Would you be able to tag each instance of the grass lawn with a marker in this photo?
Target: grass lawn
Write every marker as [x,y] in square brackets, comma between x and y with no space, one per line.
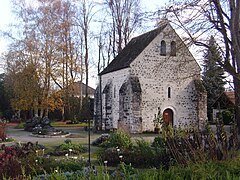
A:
[65,124]
[54,124]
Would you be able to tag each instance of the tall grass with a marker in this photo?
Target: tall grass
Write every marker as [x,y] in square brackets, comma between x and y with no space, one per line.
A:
[194,146]
[212,170]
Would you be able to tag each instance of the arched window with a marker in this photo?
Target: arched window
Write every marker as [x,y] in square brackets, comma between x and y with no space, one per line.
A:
[173,48]
[163,48]
[169,92]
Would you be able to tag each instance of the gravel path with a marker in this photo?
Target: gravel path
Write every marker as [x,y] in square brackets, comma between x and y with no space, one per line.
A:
[76,135]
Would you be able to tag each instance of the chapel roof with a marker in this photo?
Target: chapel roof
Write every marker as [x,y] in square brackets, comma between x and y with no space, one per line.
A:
[132,50]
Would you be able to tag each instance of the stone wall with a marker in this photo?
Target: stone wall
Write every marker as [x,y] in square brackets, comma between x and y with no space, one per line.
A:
[116,79]
[165,81]
[130,118]
[97,109]
[158,73]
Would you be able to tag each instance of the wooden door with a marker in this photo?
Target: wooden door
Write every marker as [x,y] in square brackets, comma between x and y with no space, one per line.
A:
[168,117]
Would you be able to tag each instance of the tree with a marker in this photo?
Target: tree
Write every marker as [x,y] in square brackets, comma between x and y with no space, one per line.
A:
[125,18]
[213,75]
[122,19]
[200,19]
[24,87]
[84,23]
[47,42]
[5,108]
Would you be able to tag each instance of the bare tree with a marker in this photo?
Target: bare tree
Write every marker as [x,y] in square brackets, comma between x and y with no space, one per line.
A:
[201,18]
[125,15]
[85,17]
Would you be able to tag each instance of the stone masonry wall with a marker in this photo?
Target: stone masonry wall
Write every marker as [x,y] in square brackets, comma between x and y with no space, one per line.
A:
[159,73]
[116,78]
[165,81]
[130,118]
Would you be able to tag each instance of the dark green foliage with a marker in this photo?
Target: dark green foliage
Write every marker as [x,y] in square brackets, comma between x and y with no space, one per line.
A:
[213,75]
[69,148]
[141,154]
[111,155]
[5,108]
[101,140]
[27,159]
[228,116]
[193,146]
[66,164]
[159,142]
[74,108]
[119,139]
[225,170]
[182,146]
[86,111]
[68,141]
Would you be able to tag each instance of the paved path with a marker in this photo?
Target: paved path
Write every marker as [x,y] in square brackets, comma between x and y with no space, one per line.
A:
[78,135]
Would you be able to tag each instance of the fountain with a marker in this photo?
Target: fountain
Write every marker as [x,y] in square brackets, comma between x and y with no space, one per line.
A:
[41,127]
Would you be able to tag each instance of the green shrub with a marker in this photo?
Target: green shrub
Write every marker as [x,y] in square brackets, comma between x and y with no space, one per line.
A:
[101,140]
[142,155]
[159,142]
[119,139]
[111,155]
[68,141]
[160,146]
[69,148]
[69,164]
[227,116]
[71,170]
[20,125]
[44,164]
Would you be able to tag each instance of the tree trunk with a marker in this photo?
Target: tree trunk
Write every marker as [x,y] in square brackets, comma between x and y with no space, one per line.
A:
[236,82]
[63,116]
[41,113]
[86,59]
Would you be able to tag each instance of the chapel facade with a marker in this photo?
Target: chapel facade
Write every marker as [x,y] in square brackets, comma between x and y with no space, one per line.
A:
[154,71]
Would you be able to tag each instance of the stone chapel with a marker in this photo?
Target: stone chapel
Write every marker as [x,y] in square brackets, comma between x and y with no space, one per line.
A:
[154,70]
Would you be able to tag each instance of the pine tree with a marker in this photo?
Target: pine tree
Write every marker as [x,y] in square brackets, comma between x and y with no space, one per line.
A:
[213,75]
